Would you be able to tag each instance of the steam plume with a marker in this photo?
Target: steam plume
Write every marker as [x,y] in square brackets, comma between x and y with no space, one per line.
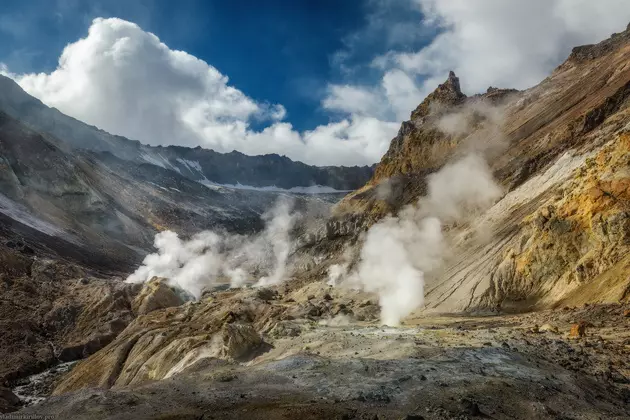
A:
[209,256]
[400,251]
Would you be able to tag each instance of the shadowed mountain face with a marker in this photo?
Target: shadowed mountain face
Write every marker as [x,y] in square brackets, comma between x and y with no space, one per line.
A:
[110,208]
[107,196]
[197,164]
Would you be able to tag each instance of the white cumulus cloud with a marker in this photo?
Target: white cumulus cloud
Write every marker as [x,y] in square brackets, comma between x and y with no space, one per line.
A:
[126,81]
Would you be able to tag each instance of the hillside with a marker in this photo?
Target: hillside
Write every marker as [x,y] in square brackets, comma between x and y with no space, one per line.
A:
[559,151]
[109,208]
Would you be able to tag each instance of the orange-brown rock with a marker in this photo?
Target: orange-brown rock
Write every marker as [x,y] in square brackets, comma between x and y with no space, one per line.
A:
[578,330]
[156,294]
[565,168]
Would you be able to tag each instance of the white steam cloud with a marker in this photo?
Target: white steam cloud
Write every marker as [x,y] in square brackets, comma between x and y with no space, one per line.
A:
[210,258]
[399,252]
[279,223]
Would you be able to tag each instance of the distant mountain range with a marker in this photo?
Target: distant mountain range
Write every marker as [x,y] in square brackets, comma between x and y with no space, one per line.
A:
[198,164]
[70,189]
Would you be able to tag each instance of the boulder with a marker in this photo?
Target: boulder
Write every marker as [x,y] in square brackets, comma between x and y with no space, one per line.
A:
[578,330]
[239,341]
[284,329]
[156,294]
[266,294]
[367,311]
[549,328]
[8,401]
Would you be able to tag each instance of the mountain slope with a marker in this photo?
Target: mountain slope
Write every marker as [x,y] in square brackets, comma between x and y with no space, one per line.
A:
[110,207]
[197,164]
[560,152]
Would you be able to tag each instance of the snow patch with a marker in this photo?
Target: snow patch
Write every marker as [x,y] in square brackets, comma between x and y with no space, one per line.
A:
[191,164]
[153,161]
[313,189]
[160,161]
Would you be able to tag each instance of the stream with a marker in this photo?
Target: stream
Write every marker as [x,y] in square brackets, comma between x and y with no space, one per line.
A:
[36,388]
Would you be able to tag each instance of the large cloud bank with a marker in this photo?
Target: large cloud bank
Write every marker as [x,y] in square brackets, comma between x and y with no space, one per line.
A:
[126,81]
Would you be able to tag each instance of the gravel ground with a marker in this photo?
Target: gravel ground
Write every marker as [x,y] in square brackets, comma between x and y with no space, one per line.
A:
[433,368]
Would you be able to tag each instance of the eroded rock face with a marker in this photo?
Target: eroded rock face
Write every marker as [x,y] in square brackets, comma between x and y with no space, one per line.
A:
[233,326]
[560,235]
[165,341]
[155,294]
[52,312]
[572,247]
[421,147]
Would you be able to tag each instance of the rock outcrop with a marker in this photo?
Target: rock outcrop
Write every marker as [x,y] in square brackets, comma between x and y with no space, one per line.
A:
[162,342]
[444,97]
[438,128]
[231,326]
[155,294]
[53,312]
[8,401]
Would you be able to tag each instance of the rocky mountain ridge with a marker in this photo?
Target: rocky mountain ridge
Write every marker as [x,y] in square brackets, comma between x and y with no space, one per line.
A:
[108,208]
[558,145]
[196,163]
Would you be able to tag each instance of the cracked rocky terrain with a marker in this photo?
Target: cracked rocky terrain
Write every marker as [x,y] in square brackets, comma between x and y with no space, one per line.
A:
[436,367]
[527,317]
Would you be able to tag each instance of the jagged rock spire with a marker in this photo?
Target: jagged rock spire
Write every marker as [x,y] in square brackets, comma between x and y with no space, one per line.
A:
[446,95]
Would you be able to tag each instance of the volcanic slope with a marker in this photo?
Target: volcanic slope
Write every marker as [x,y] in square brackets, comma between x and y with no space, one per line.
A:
[554,243]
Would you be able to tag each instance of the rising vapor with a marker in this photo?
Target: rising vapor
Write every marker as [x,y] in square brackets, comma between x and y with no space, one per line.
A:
[400,251]
[211,258]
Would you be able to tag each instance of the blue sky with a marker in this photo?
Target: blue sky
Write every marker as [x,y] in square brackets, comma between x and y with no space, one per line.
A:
[279,51]
[326,82]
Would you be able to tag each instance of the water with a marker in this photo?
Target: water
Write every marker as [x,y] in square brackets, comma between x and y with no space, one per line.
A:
[36,388]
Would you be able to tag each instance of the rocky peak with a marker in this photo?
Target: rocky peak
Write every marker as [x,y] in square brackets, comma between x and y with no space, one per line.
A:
[495,95]
[584,53]
[453,82]
[446,95]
